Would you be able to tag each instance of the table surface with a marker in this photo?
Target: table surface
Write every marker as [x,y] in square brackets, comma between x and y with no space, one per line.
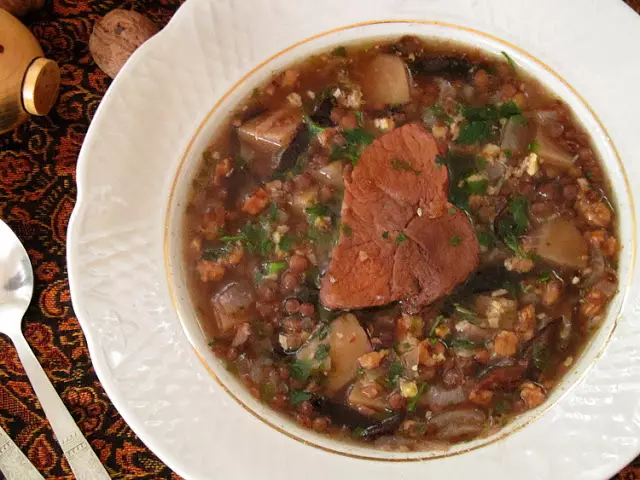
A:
[37,195]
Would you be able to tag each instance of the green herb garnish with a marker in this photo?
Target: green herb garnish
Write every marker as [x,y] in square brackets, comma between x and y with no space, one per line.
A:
[399,164]
[411,406]
[514,224]
[534,147]
[385,235]
[322,351]
[300,369]
[274,268]
[400,238]
[287,242]
[355,142]
[253,237]
[455,240]
[313,127]
[439,113]
[396,370]
[317,211]
[482,123]
[510,61]
[347,230]
[439,319]
[464,344]
[298,396]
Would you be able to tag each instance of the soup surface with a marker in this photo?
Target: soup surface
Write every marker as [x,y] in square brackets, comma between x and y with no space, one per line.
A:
[403,242]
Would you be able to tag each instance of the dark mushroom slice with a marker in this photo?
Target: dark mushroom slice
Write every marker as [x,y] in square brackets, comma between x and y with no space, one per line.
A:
[442,66]
[369,427]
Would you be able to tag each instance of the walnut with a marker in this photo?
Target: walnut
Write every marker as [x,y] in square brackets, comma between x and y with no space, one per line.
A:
[117,36]
[20,8]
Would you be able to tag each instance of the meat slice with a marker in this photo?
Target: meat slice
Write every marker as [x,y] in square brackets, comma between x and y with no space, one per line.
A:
[405,238]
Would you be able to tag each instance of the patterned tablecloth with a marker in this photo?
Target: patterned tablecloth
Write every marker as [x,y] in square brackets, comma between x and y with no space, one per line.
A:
[37,194]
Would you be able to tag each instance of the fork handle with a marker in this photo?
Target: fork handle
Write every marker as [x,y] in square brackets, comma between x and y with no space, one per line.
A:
[13,463]
[82,459]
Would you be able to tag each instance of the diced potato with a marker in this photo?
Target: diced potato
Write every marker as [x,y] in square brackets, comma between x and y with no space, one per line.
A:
[232,306]
[360,396]
[347,342]
[272,131]
[559,241]
[385,81]
[551,153]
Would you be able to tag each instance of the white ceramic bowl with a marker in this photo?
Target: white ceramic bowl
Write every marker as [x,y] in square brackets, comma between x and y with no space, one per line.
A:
[125,239]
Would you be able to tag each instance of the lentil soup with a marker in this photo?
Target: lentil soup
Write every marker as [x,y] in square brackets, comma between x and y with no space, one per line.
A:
[401,242]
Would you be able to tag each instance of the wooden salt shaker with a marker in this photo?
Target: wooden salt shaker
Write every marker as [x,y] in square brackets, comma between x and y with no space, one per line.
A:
[29,83]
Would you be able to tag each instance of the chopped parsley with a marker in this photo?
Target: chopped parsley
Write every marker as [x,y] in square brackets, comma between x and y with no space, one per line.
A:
[476,187]
[399,164]
[510,61]
[511,226]
[482,124]
[355,142]
[274,268]
[486,238]
[462,167]
[317,211]
[300,369]
[339,52]
[400,238]
[546,276]
[298,396]
[214,252]
[313,127]
[385,235]
[322,352]
[287,242]
[462,344]
[396,370]
[455,240]
[452,210]
[347,230]
[411,406]
[533,147]
[438,112]
[253,237]
[439,319]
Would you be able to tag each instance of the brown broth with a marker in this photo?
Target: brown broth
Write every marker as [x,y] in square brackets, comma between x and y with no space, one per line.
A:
[259,238]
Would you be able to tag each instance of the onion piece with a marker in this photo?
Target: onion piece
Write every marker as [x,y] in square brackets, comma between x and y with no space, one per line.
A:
[439,396]
[458,424]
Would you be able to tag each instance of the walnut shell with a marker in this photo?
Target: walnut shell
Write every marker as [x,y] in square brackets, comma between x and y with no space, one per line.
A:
[19,8]
[116,36]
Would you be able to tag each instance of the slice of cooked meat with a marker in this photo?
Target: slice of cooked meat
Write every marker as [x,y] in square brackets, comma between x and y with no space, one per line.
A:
[405,238]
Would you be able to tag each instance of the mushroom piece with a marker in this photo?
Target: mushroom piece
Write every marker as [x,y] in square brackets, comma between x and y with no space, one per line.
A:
[560,242]
[385,81]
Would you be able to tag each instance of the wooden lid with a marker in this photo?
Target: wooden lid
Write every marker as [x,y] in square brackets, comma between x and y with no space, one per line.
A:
[41,86]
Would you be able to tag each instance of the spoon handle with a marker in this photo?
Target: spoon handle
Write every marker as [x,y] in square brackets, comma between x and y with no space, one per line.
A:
[82,459]
[13,463]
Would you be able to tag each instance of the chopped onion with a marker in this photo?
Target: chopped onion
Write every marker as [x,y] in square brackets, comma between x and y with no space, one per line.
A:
[438,396]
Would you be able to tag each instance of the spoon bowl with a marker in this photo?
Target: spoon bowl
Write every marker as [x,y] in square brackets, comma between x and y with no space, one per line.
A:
[16,279]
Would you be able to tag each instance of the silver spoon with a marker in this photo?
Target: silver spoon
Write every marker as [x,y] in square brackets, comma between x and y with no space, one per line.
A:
[16,290]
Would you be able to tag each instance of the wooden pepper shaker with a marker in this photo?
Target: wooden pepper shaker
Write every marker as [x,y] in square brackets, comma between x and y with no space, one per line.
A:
[29,83]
